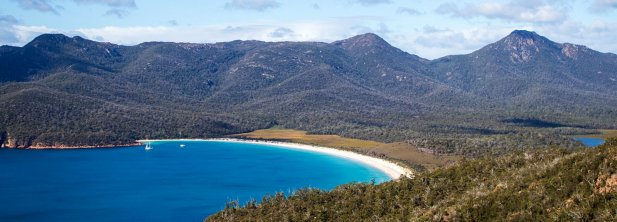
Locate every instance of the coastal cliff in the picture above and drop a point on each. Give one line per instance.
(8, 140)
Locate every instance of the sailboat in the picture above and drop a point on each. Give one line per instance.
(148, 147)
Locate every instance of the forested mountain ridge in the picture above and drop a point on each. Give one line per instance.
(59, 90)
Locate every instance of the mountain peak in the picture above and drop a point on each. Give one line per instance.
(367, 37)
(524, 34)
(525, 38)
(50, 38)
(362, 41)
(524, 46)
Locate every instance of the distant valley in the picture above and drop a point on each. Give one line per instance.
(520, 92)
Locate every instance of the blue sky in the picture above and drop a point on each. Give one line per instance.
(430, 29)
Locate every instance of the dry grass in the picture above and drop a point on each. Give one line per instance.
(605, 134)
(398, 150)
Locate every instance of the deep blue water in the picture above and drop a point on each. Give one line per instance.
(590, 142)
(167, 183)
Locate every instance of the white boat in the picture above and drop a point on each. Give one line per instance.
(182, 145)
(148, 147)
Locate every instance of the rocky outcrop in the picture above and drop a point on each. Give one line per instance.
(2, 138)
(11, 142)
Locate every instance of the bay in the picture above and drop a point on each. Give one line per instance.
(167, 183)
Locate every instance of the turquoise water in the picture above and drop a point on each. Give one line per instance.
(590, 142)
(167, 183)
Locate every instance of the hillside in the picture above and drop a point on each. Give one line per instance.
(520, 92)
(541, 185)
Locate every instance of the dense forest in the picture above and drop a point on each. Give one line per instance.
(63, 91)
(553, 184)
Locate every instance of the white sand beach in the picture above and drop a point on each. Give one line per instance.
(391, 169)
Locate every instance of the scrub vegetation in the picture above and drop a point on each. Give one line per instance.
(401, 152)
(552, 184)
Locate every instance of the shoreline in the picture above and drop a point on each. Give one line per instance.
(62, 147)
(391, 169)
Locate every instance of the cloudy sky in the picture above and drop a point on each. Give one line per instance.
(428, 28)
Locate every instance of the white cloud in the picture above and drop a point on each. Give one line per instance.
(24, 34)
(46, 6)
(598, 35)
(7, 19)
(39, 5)
(406, 10)
(435, 43)
(206, 34)
(603, 5)
(258, 5)
(371, 2)
(132, 35)
(7, 32)
(448, 8)
(119, 13)
(324, 30)
(459, 41)
(381, 29)
(111, 3)
(514, 11)
(433, 29)
(281, 33)
(15, 34)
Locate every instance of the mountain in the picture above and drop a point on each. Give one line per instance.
(542, 185)
(526, 69)
(70, 91)
(50, 53)
(397, 73)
